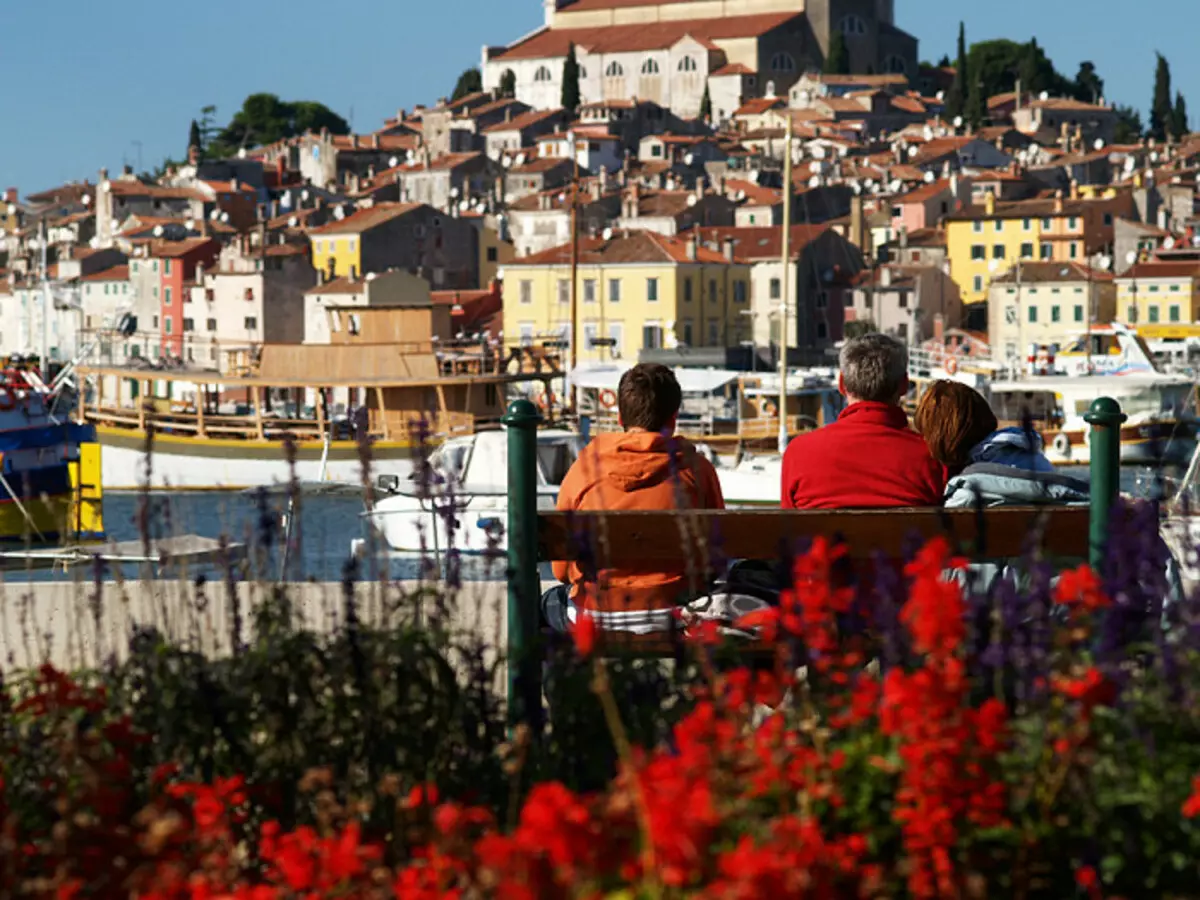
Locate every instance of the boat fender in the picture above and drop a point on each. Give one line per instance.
(1062, 445)
(608, 398)
(951, 366)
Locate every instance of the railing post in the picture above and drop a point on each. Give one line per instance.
(1105, 418)
(524, 585)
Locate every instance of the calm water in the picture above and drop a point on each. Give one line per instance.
(327, 525)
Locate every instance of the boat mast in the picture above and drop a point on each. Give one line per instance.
(785, 257)
(574, 269)
(43, 364)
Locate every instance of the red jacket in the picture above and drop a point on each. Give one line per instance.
(868, 459)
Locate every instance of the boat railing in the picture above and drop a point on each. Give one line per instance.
(764, 427)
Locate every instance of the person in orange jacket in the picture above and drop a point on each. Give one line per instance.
(643, 467)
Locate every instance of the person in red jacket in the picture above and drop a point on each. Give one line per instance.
(869, 458)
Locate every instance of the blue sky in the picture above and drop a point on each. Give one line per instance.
(83, 81)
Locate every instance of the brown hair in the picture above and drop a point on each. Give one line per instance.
(648, 397)
(953, 418)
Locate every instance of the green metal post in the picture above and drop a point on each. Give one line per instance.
(1105, 418)
(524, 585)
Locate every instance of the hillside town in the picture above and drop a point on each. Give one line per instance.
(616, 184)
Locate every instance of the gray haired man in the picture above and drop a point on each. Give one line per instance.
(869, 458)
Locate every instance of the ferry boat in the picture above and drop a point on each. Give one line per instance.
(1109, 361)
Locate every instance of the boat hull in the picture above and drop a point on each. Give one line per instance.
(188, 463)
(43, 505)
(478, 526)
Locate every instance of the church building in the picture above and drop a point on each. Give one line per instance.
(669, 51)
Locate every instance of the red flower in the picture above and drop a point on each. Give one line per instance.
(1091, 688)
(935, 611)
(1088, 880)
(1191, 806)
(765, 621)
(1080, 589)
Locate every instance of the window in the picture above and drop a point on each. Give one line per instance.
(895, 65)
(351, 245)
(1032, 315)
(589, 290)
(1027, 251)
(616, 332)
(712, 290)
(1027, 224)
(251, 323)
(977, 227)
(133, 267)
(526, 292)
(564, 290)
(1078, 312)
(589, 335)
(492, 255)
(155, 321)
(1174, 312)
(167, 267)
(776, 289)
(1045, 224)
(614, 70)
(1154, 288)
(154, 266)
(188, 325)
(999, 226)
(1055, 315)
(526, 331)
(998, 251)
(1072, 223)
(652, 290)
(713, 334)
(822, 330)
(687, 291)
(652, 337)
(167, 296)
(1153, 308)
(656, 150)
(211, 324)
(1174, 289)
(167, 325)
(650, 67)
(1074, 249)
(1108, 219)
(739, 292)
(614, 290)
(319, 246)
(1010, 316)
(1132, 313)
(978, 284)
(543, 74)
(1047, 251)
(783, 62)
(852, 25)
(688, 64)
(822, 299)
(155, 292)
(978, 251)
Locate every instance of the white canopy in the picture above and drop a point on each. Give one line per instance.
(692, 381)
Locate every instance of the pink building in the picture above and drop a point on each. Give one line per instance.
(927, 205)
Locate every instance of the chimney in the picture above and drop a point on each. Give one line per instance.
(597, 188)
(989, 203)
(320, 276)
(903, 238)
(729, 245)
(856, 221)
(193, 156)
(939, 328)
(280, 170)
(374, 142)
(692, 241)
(103, 175)
(233, 184)
(508, 113)
(126, 172)
(1074, 189)
(885, 276)
(354, 141)
(602, 178)
(543, 201)
(1058, 201)
(10, 195)
(701, 187)
(1017, 104)
(955, 187)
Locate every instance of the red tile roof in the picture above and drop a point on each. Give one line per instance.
(1157, 269)
(121, 188)
(525, 120)
(761, 242)
(624, 247)
(555, 42)
(755, 194)
(759, 105)
(445, 161)
(541, 164)
(176, 249)
(924, 192)
(733, 69)
(114, 273)
(364, 220)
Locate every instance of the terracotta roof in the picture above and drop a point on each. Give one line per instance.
(364, 220)
(1052, 272)
(374, 143)
(664, 203)
(541, 164)
(226, 187)
(341, 285)
(445, 161)
(1065, 103)
(1022, 209)
(176, 249)
(759, 105)
(283, 250)
(908, 105)
(121, 188)
(924, 192)
(284, 220)
(525, 120)
(589, 5)
(927, 237)
(761, 242)
(1158, 269)
(624, 247)
(878, 80)
(114, 273)
(755, 194)
(733, 69)
(997, 100)
(552, 43)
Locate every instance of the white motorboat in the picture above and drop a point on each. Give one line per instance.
(752, 481)
(461, 501)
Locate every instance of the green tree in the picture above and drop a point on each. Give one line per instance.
(264, 119)
(508, 83)
(944, 62)
(838, 60)
(570, 85)
(858, 328)
(976, 113)
(1161, 111)
(1129, 125)
(469, 82)
(1179, 117)
(956, 98)
(706, 105)
(195, 139)
(1089, 87)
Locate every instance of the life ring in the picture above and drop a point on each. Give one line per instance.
(8, 399)
(951, 366)
(769, 408)
(1062, 445)
(546, 400)
(608, 398)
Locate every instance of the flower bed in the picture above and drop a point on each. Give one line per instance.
(917, 735)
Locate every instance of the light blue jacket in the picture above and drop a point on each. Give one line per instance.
(1007, 468)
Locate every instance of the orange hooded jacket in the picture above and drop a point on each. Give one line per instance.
(635, 471)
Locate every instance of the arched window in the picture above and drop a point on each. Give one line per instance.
(583, 71)
(542, 74)
(895, 65)
(783, 62)
(649, 67)
(852, 26)
(614, 70)
(687, 64)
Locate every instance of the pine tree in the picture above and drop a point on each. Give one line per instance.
(1179, 117)
(194, 138)
(469, 82)
(976, 111)
(570, 83)
(706, 105)
(1161, 111)
(838, 60)
(508, 83)
(956, 98)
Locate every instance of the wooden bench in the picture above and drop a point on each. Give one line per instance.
(613, 539)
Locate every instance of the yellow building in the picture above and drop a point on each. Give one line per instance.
(1160, 293)
(986, 240)
(494, 254)
(359, 243)
(636, 290)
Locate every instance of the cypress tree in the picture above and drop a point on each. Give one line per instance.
(956, 99)
(838, 60)
(706, 105)
(570, 83)
(1179, 117)
(508, 83)
(194, 138)
(1161, 111)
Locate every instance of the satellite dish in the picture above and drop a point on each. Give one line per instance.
(304, 195)
(1044, 96)
(818, 152)
(753, 176)
(870, 183)
(741, 195)
(958, 121)
(339, 213)
(241, 152)
(286, 200)
(1130, 164)
(94, 243)
(87, 199)
(993, 265)
(1131, 257)
(370, 276)
(106, 185)
(520, 159)
(689, 159)
(929, 178)
(224, 217)
(506, 162)
(464, 205)
(480, 206)
(1104, 262)
(2, 233)
(293, 221)
(691, 200)
(940, 96)
(189, 224)
(158, 231)
(912, 152)
(454, 193)
(895, 186)
(607, 234)
(1169, 243)
(1099, 144)
(393, 161)
(928, 133)
(843, 151)
(1154, 156)
(214, 215)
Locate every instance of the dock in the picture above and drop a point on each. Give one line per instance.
(182, 550)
